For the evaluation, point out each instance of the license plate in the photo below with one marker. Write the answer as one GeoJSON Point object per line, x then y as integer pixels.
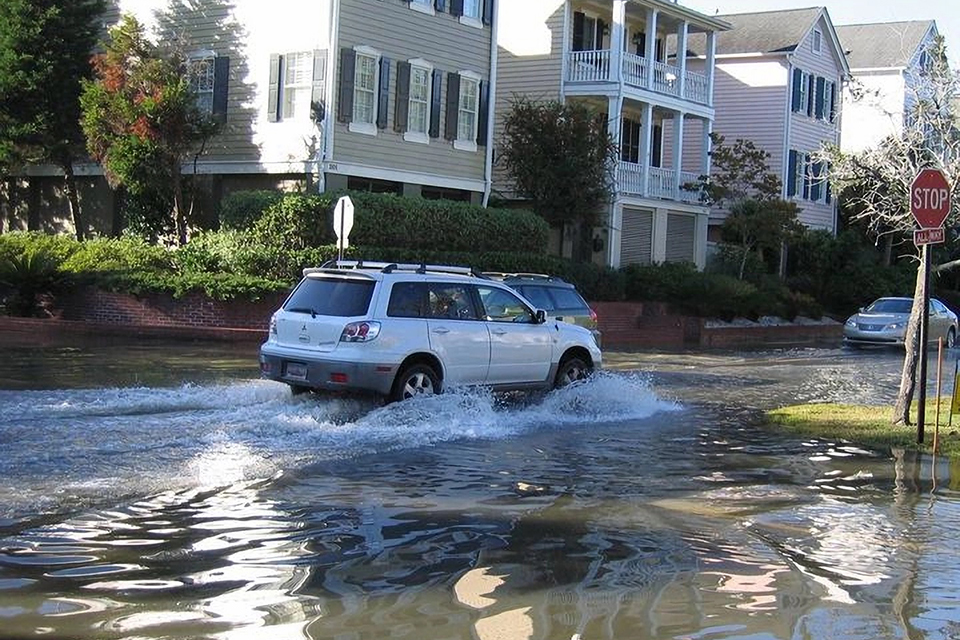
{"type": "Point", "coordinates": [296, 370]}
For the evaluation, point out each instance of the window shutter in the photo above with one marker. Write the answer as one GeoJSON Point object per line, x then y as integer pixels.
{"type": "Point", "coordinates": [829, 194]}
{"type": "Point", "coordinates": [833, 102]}
{"type": "Point", "coordinates": [658, 52]}
{"type": "Point", "coordinates": [453, 106]}
{"type": "Point", "coordinates": [820, 98]}
{"type": "Point", "coordinates": [792, 174]}
{"type": "Point", "coordinates": [598, 39]}
{"type": "Point", "coordinates": [318, 99]}
{"type": "Point", "coordinates": [383, 103]}
{"type": "Point", "coordinates": [273, 93]}
{"type": "Point", "coordinates": [642, 45]}
{"type": "Point", "coordinates": [487, 12]}
{"type": "Point", "coordinates": [348, 62]}
{"type": "Point", "coordinates": [681, 236]}
{"type": "Point", "coordinates": [456, 8]}
{"type": "Point", "coordinates": [435, 103]}
{"type": "Point", "coordinates": [482, 113]}
{"type": "Point", "coordinates": [806, 177]}
{"type": "Point", "coordinates": [403, 97]}
{"type": "Point", "coordinates": [656, 159]}
{"type": "Point", "coordinates": [811, 87]}
{"type": "Point", "coordinates": [221, 84]}
{"type": "Point", "coordinates": [797, 81]}
{"type": "Point", "coordinates": [440, 5]}
{"type": "Point", "coordinates": [577, 43]}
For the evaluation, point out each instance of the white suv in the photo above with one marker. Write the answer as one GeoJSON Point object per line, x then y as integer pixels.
{"type": "Point", "coordinates": [398, 330]}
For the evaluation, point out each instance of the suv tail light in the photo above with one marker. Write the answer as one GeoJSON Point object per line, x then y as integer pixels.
{"type": "Point", "coordinates": [593, 316]}
{"type": "Point", "coordinates": [360, 332]}
{"type": "Point", "coordinates": [273, 325]}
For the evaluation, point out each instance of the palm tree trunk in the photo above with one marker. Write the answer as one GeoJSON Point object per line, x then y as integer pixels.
{"type": "Point", "coordinates": [911, 345]}
{"type": "Point", "coordinates": [73, 197]}
{"type": "Point", "coordinates": [179, 217]}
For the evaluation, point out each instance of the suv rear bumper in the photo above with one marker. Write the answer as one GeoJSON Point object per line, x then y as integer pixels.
{"type": "Point", "coordinates": [327, 374]}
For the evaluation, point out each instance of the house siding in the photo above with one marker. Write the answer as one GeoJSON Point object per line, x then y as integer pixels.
{"type": "Point", "coordinates": [808, 133]}
{"type": "Point", "coordinates": [400, 33]}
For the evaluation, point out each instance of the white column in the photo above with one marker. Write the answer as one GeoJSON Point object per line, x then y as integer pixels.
{"type": "Point", "coordinates": [711, 63]}
{"type": "Point", "coordinates": [617, 37]}
{"type": "Point", "coordinates": [615, 122]}
{"type": "Point", "coordinates": [650, 50]}
{"type": "Point", "coordinates": [614, 234]}
{"type": "Point", "coordinates": [682, 56]}
{"type": "Point", "coordinates": [646, 146]}
{"type": "Point", "coordinates": [678, 120]}
{"type": "Point", "coordinates": [705, 148]}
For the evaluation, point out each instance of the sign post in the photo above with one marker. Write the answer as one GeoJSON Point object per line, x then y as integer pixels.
{"type": "Point", "coordinates": [342, 223]}
{"type": "Point", "coordinates": [930, 206]}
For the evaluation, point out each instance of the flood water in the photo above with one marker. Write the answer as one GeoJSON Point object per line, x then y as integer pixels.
{"type": "Point", "coordinates": [156, 490]}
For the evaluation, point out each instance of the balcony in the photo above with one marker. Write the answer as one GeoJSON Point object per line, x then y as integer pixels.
{"type": "Point", "coordinates": [659, 184]}
{"type": "Point", "coordinates": [595, 67]}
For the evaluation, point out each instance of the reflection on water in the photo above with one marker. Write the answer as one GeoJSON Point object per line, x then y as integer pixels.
{"type": "Point", "coordinates": [230, 509]}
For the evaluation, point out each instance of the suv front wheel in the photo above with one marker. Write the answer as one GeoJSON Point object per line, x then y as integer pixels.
{"type": "Point", "coordinates": [570, 370]}
{"type": "Point", "coordinates": [414, 380]}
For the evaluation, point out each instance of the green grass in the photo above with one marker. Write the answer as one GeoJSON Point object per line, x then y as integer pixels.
{"type": "Point", "coordinates": [870, 426]}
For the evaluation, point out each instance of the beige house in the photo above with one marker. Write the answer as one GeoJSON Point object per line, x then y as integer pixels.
{"type": "Point", "coordinates": [886, 60]}
{"type": "Point", "coordinates": [612, 55]}
{"type": "Point", "coordinates": [777, 83]}
{"type": "Point", "coordinates": [381, 95]}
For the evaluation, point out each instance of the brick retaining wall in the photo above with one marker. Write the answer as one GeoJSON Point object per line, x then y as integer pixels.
{"type": "Point", "coordinates": [625, 325]}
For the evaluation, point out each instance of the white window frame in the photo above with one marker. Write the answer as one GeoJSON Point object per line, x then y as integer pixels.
{"type": "Point", "coordinates": [817, 44]}
{"type": "Point", "coordinates": [355, 126]}
{"type": "Point", "coordinates": [204, 96]}
{"type": "Point", "coordinates": [289, 91]}
{"type": "Point", "coordinates": [461, 143]}
{"type": "Point", "coordinates": [827, 98]}
{"type": "Point", "coordinates": [472, 20]}
{"type": "Point", "coordinates": [423, 6]}
{"type": "Point", "coordinates": [410, 135]}
{"type": "Point", "coordinates": [804, 93]}
{"type": "Point", "coordinates": [799, 174]}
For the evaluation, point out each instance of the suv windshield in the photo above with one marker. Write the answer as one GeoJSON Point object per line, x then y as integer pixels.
{"type": "Point", "coordinates": [331, 297]}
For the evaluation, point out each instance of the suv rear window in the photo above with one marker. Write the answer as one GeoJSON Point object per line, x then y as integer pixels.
{"type": "Point", "coordinates": [331, 297]}
{"type": "Point", "coordinates": [553, 298]}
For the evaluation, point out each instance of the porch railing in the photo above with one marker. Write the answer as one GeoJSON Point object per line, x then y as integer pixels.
{"type": "Point", "coordinates": [659, 183]}
{"type": "Point", "coordinates": [594, 66]}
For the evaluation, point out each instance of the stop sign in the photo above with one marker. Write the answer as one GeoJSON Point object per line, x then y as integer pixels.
{"type": "Point", "coordinates": [930, 198]}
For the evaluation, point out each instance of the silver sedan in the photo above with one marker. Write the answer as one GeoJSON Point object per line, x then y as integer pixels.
{"type": "Point", "coordinates": [885, 320]}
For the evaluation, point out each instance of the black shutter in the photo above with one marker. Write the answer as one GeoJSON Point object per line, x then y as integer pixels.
{"type": "Point", "coordinates": [482, 113]}
{"type": "Point", "coordinates": [829, 191]}
{"type": "Point", "coordinates": [577, 43]}
{"type": "Point", "coordinates": [820, 98]}
{"type": "Point", "coordinates": [453, 106]}
{"type": "Point", "coordinates": [273, 92]}
{"type": "Point", "coordinates": [833, 105]}
{"type": "Point", "coordinates": [797, 82]}
{"type": "Point", "coordinates": [348, 62]}
{"type": "Point", "coordinates": [598, 35]}
{"type": "Point", "coordinates": [221, 84]}
{"type": "Point", "coordinates": [456, 7]}
{"type": "Point", "coordinates": [383, 103]}
{"type": "Point", "coordinates": [658, 52]}
{"type": "Point", "coordinates": [440, 5]}
{"type": "Point", "coordinates": [806, 177]}
{"type": "Point", "coordinates": [435, 103]}
{"type": "Point", "coordinates": [487, 12]}
{"type": "Point", "coordinates": [656, 159]}
{"type": "Point", "coordinates": [403, 97]}
{"type": "Point", "coordinates": [642, 45]}
{"type": "Point", "coordinates": [792, 174]}
{"type": "Point", "coordinates": [318, 99]}
{"type": "Point", "coordinates": [811, 88]}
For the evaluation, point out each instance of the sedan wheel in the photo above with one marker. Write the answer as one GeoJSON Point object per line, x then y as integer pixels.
{"type": "Point", "coordinates": [951, 340]}
{"type": "Point", "coordinates": [415, 380]}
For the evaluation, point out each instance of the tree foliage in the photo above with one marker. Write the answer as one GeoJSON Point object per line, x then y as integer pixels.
{"type": "Point", "coordinates": [560, 157]}
{"type": "Point", "coordinates": [45, 50]}
{"type": "Point", "coordinates": [763, 225]}
{"type": "Point", "coordinates": [142, 120]}
{"type": "Point", "coordinates": [738, 172]}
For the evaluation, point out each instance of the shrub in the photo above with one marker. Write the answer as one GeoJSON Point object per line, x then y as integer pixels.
{"type": "Point", "coordinates": [26, 277]}
{"type": "Point", "coordinates": [241, 209]}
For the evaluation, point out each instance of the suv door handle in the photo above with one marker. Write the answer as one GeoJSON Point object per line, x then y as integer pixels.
{"type": "Point", "coordinates": [441, 330]}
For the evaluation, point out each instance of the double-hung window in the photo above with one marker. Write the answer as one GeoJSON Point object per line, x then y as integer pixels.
{"type": "Point", "coordinates": [804, 92]}
{"type": "Point", "coordinates": [201, 75]}
{"type": "Point", "coordinates": [418, 107]}
{"type": "Point", "coordinates": [297, 84]}
{"type": "Point", "coordinates": [365, 92]}
{"type": "Point", "coordinates": [468, 112]}
{"type": "Point", "coordinates": [472, 11]}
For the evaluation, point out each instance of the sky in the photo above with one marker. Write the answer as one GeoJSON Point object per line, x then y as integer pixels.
{"type": "Point", "coordinates": [945, 12]}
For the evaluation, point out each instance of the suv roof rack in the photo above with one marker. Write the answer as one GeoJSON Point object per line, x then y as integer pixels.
{"type": "Point", "coordinates": [522, 275]}
{"type": "Point", "coordinates": [390, 267]}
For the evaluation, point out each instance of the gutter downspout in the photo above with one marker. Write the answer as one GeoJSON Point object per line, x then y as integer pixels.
{"type": "Point", "coordinates": [491, 107]}
{"type": "Point", "coordinates": [326, 148]}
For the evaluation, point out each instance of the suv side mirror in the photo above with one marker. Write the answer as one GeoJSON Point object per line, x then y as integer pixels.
{"type": "Point", "coordinates": [541, 316]}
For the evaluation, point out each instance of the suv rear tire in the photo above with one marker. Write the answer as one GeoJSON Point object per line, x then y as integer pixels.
{"type": "Point", "coordinates": [571, 369]}
{"type": "Point", "coordinates": [414, 380]}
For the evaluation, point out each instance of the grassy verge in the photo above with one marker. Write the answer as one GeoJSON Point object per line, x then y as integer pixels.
{"type": "Point", "coordinates": [870, 426]}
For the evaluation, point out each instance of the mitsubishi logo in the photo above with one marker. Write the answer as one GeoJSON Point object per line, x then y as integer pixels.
{"type": "Point", "coordinates": [303, 329]}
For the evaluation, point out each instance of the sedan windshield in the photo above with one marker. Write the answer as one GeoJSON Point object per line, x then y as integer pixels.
{"type": "Point", "coordinates": [886, 305]}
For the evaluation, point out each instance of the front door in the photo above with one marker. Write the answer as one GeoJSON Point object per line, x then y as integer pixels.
{"type": "Point", "coordinates": [520, 349]}
{"type": "Point", "coordinates": [458, 334]}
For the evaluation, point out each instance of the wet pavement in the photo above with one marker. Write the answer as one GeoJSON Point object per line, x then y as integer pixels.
{"type": "Point", "coordinates": [160, 490]}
